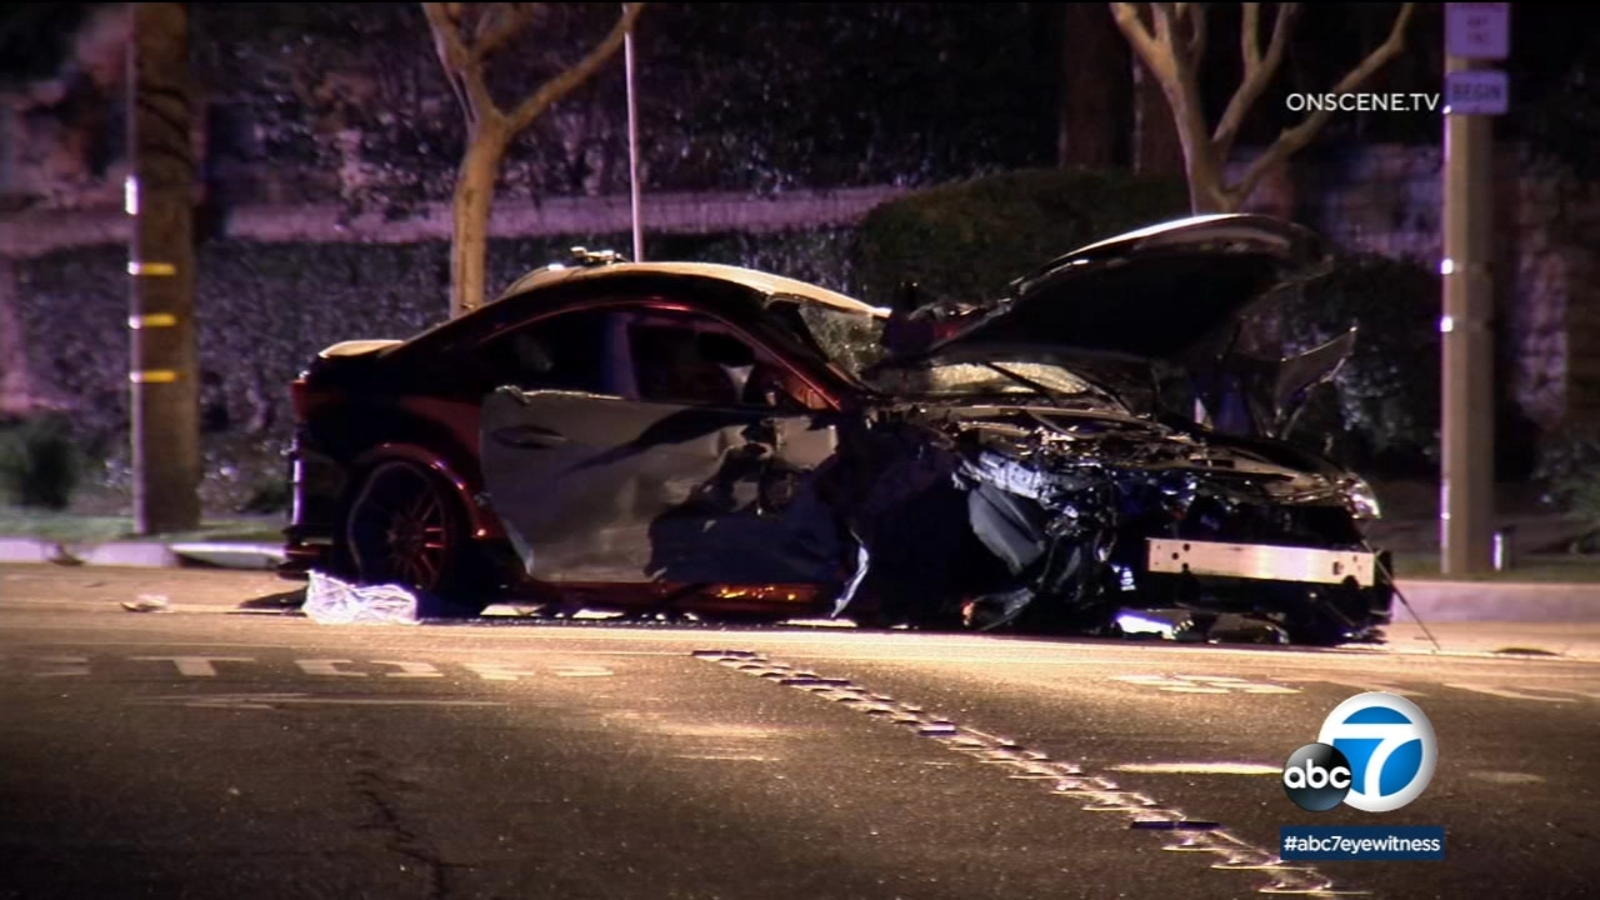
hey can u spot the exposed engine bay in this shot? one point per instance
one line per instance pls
(1056, 519)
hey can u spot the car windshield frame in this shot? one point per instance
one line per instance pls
(849, 342)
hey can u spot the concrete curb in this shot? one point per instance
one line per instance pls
(125, 553)
(1478, 601)
(26, 550)
(231, 555)
(142, 554)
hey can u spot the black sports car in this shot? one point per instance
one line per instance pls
(1092, 452)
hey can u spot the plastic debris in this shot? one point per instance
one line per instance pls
(330, 601)
(147, 603)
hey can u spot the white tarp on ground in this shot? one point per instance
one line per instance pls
(334, 602)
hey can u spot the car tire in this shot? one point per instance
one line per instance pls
(405, 526)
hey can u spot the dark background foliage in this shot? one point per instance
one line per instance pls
(1385, 414)
(965, 242)
(754, 97)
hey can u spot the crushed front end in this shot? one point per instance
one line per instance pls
(1123, 525)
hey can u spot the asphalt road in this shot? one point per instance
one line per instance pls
(224, 749)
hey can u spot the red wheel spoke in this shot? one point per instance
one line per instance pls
(425, 565)
(401, 527)
(431, 511)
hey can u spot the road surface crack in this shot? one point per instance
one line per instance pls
(380, 791)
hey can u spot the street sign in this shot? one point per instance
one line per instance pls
(1478, 30)
(1476, 92)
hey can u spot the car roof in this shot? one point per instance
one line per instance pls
(765, 283)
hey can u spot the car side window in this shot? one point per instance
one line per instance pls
(669, 365)
(567, 351)
(693, 359)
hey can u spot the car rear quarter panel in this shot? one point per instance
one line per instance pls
(438, 433)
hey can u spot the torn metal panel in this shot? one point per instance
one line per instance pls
(598, 489)
(1249, 395)
(1066, 504)
(1011, 525)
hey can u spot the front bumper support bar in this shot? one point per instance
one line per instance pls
(1262, 562)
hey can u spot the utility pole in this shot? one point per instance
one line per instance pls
(160, 196)
(1474, 34)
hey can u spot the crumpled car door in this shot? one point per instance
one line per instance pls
(603, 489)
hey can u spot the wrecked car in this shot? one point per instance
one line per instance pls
(1094, 452)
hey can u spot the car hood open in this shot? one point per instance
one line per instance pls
(1159, 293)
(1171, 293)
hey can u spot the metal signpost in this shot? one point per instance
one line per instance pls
(633, 149)
(1475, 33)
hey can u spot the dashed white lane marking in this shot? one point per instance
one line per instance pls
(1205, 684)
(1364, 687)
(272, 700)
(1094, 793)
(327, 667)
(581, 672)
(195, 666)
(1199, 768)
(205, 667)
(499, 671)
(62, 666)
(409, 669)
(1515, 778)
(1509, 694)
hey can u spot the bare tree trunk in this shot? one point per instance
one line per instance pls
(462, 53)
(1156, 149)
(472, 204)
(1205, 174)
(1170, 44)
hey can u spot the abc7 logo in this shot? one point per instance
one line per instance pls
(1376, 753)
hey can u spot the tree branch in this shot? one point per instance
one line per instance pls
(1161, 16)
(1292, 140)
(563, 84)
(1183, 91)
(1197, 31)
(1258, 72)
(1250, 37)
(1133, 28)
(462, 69)
(510, 24)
